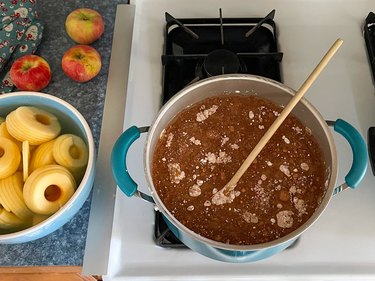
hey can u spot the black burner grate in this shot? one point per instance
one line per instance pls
(188, 43)
(369, 35)
(163, 236)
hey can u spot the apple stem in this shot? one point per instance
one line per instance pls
(26, 67)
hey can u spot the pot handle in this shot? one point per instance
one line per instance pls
(118, 163)
(360, 156)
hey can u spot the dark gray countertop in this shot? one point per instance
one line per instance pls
(66, 245)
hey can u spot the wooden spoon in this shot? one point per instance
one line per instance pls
(223, 195)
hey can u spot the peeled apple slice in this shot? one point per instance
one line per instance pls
(48, 188)
(32, 124)
(4, 198)
(4, 225)
(25, 159)
(11, 196)
(42, 156)
(4, 133)
(10, 157)
(38, 219)
(71, 152)
(8, 220)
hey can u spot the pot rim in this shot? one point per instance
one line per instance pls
(332, 174)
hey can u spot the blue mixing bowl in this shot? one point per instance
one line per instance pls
(71, 122)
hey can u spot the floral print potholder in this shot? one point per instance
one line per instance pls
(20, 34)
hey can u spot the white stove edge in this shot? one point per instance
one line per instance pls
(104, 189)
(343, 252)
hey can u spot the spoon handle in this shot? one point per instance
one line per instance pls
(279, 120)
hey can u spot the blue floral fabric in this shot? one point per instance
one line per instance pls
(20, 34)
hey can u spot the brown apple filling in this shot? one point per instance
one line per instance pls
(204, 145)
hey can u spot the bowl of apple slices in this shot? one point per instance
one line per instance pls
(47, 165)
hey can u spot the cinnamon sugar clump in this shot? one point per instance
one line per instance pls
(175, 173)
(285, 219)
(195, 141)
(221, 198)
(304, 166)
(195, 190)
(234, 146)
(190, 208)
(203, 115)
(224, 140)
(285, 170)
(250, 217)
(169, 140)
(212, 158)
(299, 204)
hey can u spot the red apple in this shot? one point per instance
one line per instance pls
(81, 63)
(84, 25)
(30, 73)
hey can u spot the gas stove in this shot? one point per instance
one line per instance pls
(340, 244)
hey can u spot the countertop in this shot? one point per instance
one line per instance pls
(66, 245)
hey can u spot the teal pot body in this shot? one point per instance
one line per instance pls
(246, 85)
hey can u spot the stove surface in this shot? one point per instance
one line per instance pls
(340, 245)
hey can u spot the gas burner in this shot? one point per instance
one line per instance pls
(163, 236)
(221, 61)
(249, 44)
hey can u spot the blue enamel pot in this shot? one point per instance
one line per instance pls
(247, 85)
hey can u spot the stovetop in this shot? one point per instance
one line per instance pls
(339, 246)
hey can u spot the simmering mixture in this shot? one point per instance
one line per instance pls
(202, 148)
